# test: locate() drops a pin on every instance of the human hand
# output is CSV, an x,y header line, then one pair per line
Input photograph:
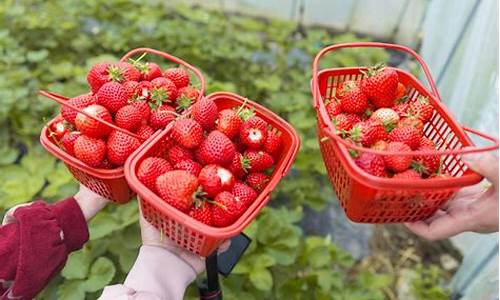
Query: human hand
x,y
473,208
90,203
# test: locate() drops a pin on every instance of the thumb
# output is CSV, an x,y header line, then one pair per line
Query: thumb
x,y
485,164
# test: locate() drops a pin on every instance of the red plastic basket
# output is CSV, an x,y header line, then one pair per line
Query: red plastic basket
x,y
110,184
181,228
369,199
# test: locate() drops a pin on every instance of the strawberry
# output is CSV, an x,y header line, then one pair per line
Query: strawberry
x,y
178,188
120,146
372,164
150,169
239,166
244,193
80,102
161,117
58,129
112,95
205,112
380,85
186,97
68,142
93,127
226,209
149,71
421,108
258,160
90,150
426,142
123,71
143,107
352,99
164,90
380,145
408,174
215,179
130,88
345,122
105,164
176,154
368,132
143,90
333,108
388,117
98,75
427,164
400,91
217,148
145,132
189,165
257,181
413,122
202,212
408,135
253,132
128,117
401,109
179,76
187,132
273,142
397,163
229,122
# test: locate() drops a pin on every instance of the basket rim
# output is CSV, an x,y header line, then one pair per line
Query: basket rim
x,y
468,178
144,194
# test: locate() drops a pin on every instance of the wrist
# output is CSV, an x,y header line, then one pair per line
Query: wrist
x,y
90,203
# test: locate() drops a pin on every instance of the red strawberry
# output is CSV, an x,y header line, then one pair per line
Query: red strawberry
x,y
98,75
427,164
397,163
401,109
388,117
189,165
80,102
273,142
259,160
380,145
178,188
120,146
408,174
58,129
253,132
426,142
112,95
164,90
143,90
68,142
372,164
150,169
143,107
400,91
344,122
105,164
226,209
215,179
413,122
202,211
408,135
145,132
244,193
90,150
205,112
123,71
239,166
421,108
161,117
186,97
179,76
380,85
333,108
352,99
257,181
217,148
149,71
128,117
176,154
229,123
130,88
368,132
187,132
90,126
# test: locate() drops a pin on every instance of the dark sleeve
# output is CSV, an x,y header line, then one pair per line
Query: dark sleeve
x,y
42,238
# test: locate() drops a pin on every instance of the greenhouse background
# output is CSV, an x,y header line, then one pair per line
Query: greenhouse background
x,y
262,50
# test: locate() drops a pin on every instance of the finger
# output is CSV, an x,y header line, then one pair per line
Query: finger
x,y
485,164
440,228
224,246
9,215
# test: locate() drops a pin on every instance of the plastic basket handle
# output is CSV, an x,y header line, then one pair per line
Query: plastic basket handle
x,y
172,58
63,101
331,48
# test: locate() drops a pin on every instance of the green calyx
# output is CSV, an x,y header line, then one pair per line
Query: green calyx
x,y
374,70
115,73
142,67
159,95
245,163
183,103
419,167
389,126
353,153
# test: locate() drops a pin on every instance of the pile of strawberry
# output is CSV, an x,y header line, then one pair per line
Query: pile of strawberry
x,y
214,163
374,113
136,96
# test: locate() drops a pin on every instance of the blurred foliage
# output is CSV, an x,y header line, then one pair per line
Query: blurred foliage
x,y
51,44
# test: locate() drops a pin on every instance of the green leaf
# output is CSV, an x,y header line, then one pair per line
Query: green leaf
x,y
262,279
101,274
71,290
77,266
102,225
